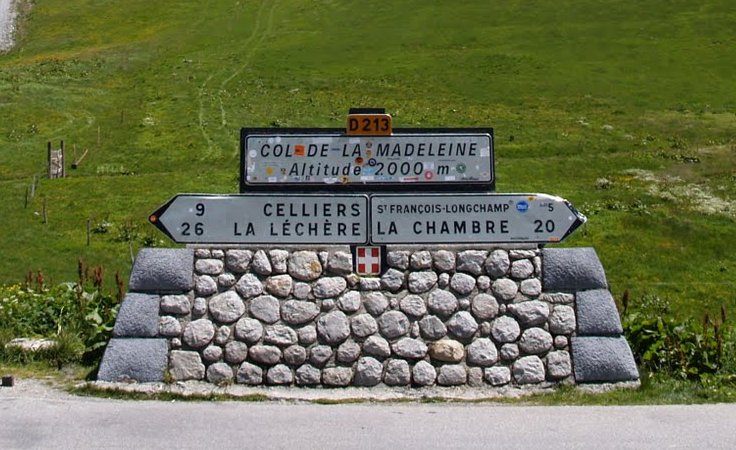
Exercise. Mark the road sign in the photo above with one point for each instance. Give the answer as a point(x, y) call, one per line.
point(369, 125)
point(471, 218)
point(264, 219)
point(320, 159)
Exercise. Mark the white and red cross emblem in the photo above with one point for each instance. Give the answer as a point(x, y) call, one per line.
point(368, 260)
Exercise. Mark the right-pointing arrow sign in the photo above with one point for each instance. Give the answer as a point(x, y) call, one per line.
point(471, 218)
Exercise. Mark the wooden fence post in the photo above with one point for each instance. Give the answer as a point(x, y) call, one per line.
point(63, 161)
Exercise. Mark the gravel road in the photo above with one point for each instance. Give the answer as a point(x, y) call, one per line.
point(7, 24)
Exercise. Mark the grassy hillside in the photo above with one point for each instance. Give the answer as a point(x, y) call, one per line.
point(625, 108)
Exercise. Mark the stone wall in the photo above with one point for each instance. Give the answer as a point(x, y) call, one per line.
point(294, 317)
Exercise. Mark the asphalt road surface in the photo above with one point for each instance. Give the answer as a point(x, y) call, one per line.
point(73, 422)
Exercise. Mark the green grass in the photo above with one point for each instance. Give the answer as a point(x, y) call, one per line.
point(576, 91)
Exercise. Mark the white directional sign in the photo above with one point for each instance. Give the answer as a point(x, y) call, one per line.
point(265, 219)
point(471, 218)
point(344, 219)
point(335, 159)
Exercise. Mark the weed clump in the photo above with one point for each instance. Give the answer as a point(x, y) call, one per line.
point(77, 317)
point(685, 349)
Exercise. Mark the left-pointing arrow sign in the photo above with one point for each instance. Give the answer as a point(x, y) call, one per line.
point(264, 219)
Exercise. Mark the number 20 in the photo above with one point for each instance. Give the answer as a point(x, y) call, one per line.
point(541, 227)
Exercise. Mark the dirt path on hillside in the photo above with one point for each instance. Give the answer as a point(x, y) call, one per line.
point(7, 24)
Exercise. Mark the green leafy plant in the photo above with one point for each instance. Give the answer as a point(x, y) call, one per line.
point(661, 343)
point(78, 317)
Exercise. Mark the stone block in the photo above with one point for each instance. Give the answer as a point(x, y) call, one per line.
point(528, 370)
point(187, 365)
point(163, 270)
point(572, 269)
point(143, 360)
point(138, 316)
point(602, 359)
point(597, 314)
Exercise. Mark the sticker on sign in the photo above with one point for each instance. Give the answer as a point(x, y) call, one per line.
point(264, 219)
point(471, 218)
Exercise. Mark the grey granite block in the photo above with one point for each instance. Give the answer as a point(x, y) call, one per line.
point(602, 359)
point(572, 269)
point(138, 316)
point(143, 360)
point(163, 271)
point(597, 314)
